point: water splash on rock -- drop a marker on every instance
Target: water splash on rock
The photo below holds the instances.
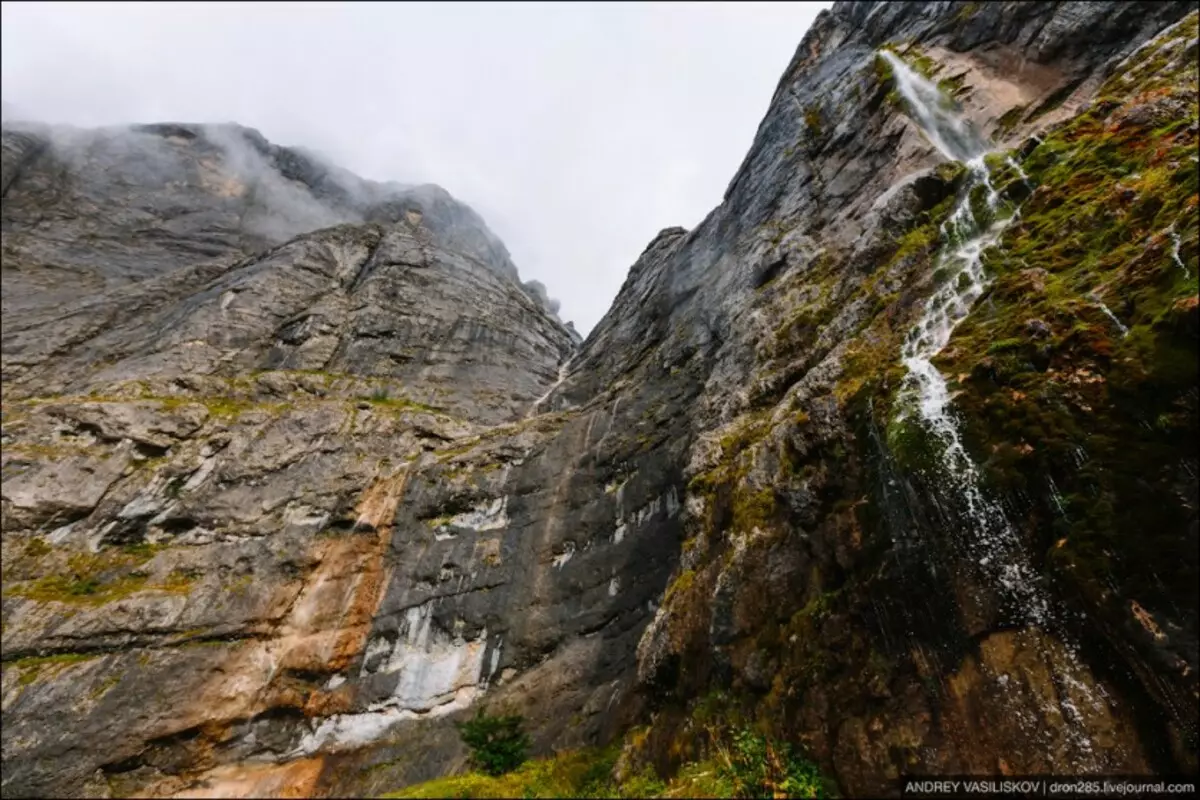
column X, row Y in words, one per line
column 985, row 536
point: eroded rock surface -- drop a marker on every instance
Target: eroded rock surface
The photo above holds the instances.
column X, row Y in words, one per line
column 297, row 472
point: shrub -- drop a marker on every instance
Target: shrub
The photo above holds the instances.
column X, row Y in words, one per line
column 758, row 767
column 497, row 743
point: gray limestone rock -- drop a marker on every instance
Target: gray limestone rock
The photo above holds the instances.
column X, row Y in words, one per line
column 297, row 471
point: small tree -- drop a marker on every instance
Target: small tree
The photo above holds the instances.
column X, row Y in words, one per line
column 498, row 745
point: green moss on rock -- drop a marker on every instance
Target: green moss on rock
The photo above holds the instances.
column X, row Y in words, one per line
column 1053, row 393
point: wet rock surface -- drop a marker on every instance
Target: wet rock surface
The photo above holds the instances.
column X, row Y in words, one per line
column 297, row 472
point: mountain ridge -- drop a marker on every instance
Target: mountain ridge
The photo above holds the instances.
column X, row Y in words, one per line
column 349, row 487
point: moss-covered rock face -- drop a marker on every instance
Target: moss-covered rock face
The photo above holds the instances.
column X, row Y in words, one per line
column 1082, row 357
column 324, row 509
column 1076, row 374
column 823, row 581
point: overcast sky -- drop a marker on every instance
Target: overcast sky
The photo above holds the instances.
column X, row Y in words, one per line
column 577, row 130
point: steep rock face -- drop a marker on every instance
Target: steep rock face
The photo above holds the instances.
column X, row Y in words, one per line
column 830, row 578
column 131, row 218
column 321, row 514
column 207, row 422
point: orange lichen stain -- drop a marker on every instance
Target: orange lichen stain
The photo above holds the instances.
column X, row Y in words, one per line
column 1146, row 621
column 328, row 703
column 323, row 631
column 308, row 638
column 293, row 779
column 377, row 509
column 329, row 623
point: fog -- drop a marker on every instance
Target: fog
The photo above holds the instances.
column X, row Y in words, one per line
column 577, row 131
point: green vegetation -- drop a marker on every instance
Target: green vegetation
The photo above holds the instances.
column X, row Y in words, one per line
column 812, row 121
column 680, row 585
column 950, row 87
column 752, row 509
column 741, row 764
column 915, row 241
column 882, row 70
column 497, row 743
column 103, row 687
column 381, row 396
column 30, row 668
column 886, row 78
column 754, row 766
column 79, row 586
column 1009, row 120
column 953, row 86
column 1050, row 388
column 440, row 521
column 99, row 578
column 226, row 407
column 36, row 548
column 179, row 581
column 576, row 773
column 911, row 54
column 966, row 12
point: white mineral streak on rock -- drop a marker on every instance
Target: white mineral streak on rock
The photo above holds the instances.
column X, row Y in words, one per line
column 562, row 558
column 437, row 673
column 487, row 516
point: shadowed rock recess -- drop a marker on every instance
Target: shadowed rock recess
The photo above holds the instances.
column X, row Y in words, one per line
column 895, row 454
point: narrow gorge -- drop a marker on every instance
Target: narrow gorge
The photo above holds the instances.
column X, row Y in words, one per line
column 892, row 458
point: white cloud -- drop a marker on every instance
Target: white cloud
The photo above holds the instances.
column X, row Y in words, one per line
column 577, row 130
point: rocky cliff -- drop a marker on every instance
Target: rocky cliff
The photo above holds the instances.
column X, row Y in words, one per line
column 895, row 453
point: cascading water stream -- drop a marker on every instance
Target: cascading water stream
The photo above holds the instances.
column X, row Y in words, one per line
column 948, row 132
column 987, row 539
column 562, row 376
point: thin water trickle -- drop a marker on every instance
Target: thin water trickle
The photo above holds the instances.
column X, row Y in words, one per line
column 1057, row 497
column 1176, row 243
column 1017, row 168
column 562, row 376
column 1079, row 456
column 988, row 539
column 1108, row 313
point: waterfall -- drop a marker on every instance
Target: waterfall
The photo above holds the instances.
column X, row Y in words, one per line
column 948, row 132
column 986, row 538
column 562, row 376
column 993, row 546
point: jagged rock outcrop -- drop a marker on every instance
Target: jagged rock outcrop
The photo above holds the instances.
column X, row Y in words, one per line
column 296, row 471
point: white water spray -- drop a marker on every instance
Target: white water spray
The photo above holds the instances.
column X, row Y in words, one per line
column 989, row 540
column 949, row 133
column 993, row 545
column 1017, row 168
